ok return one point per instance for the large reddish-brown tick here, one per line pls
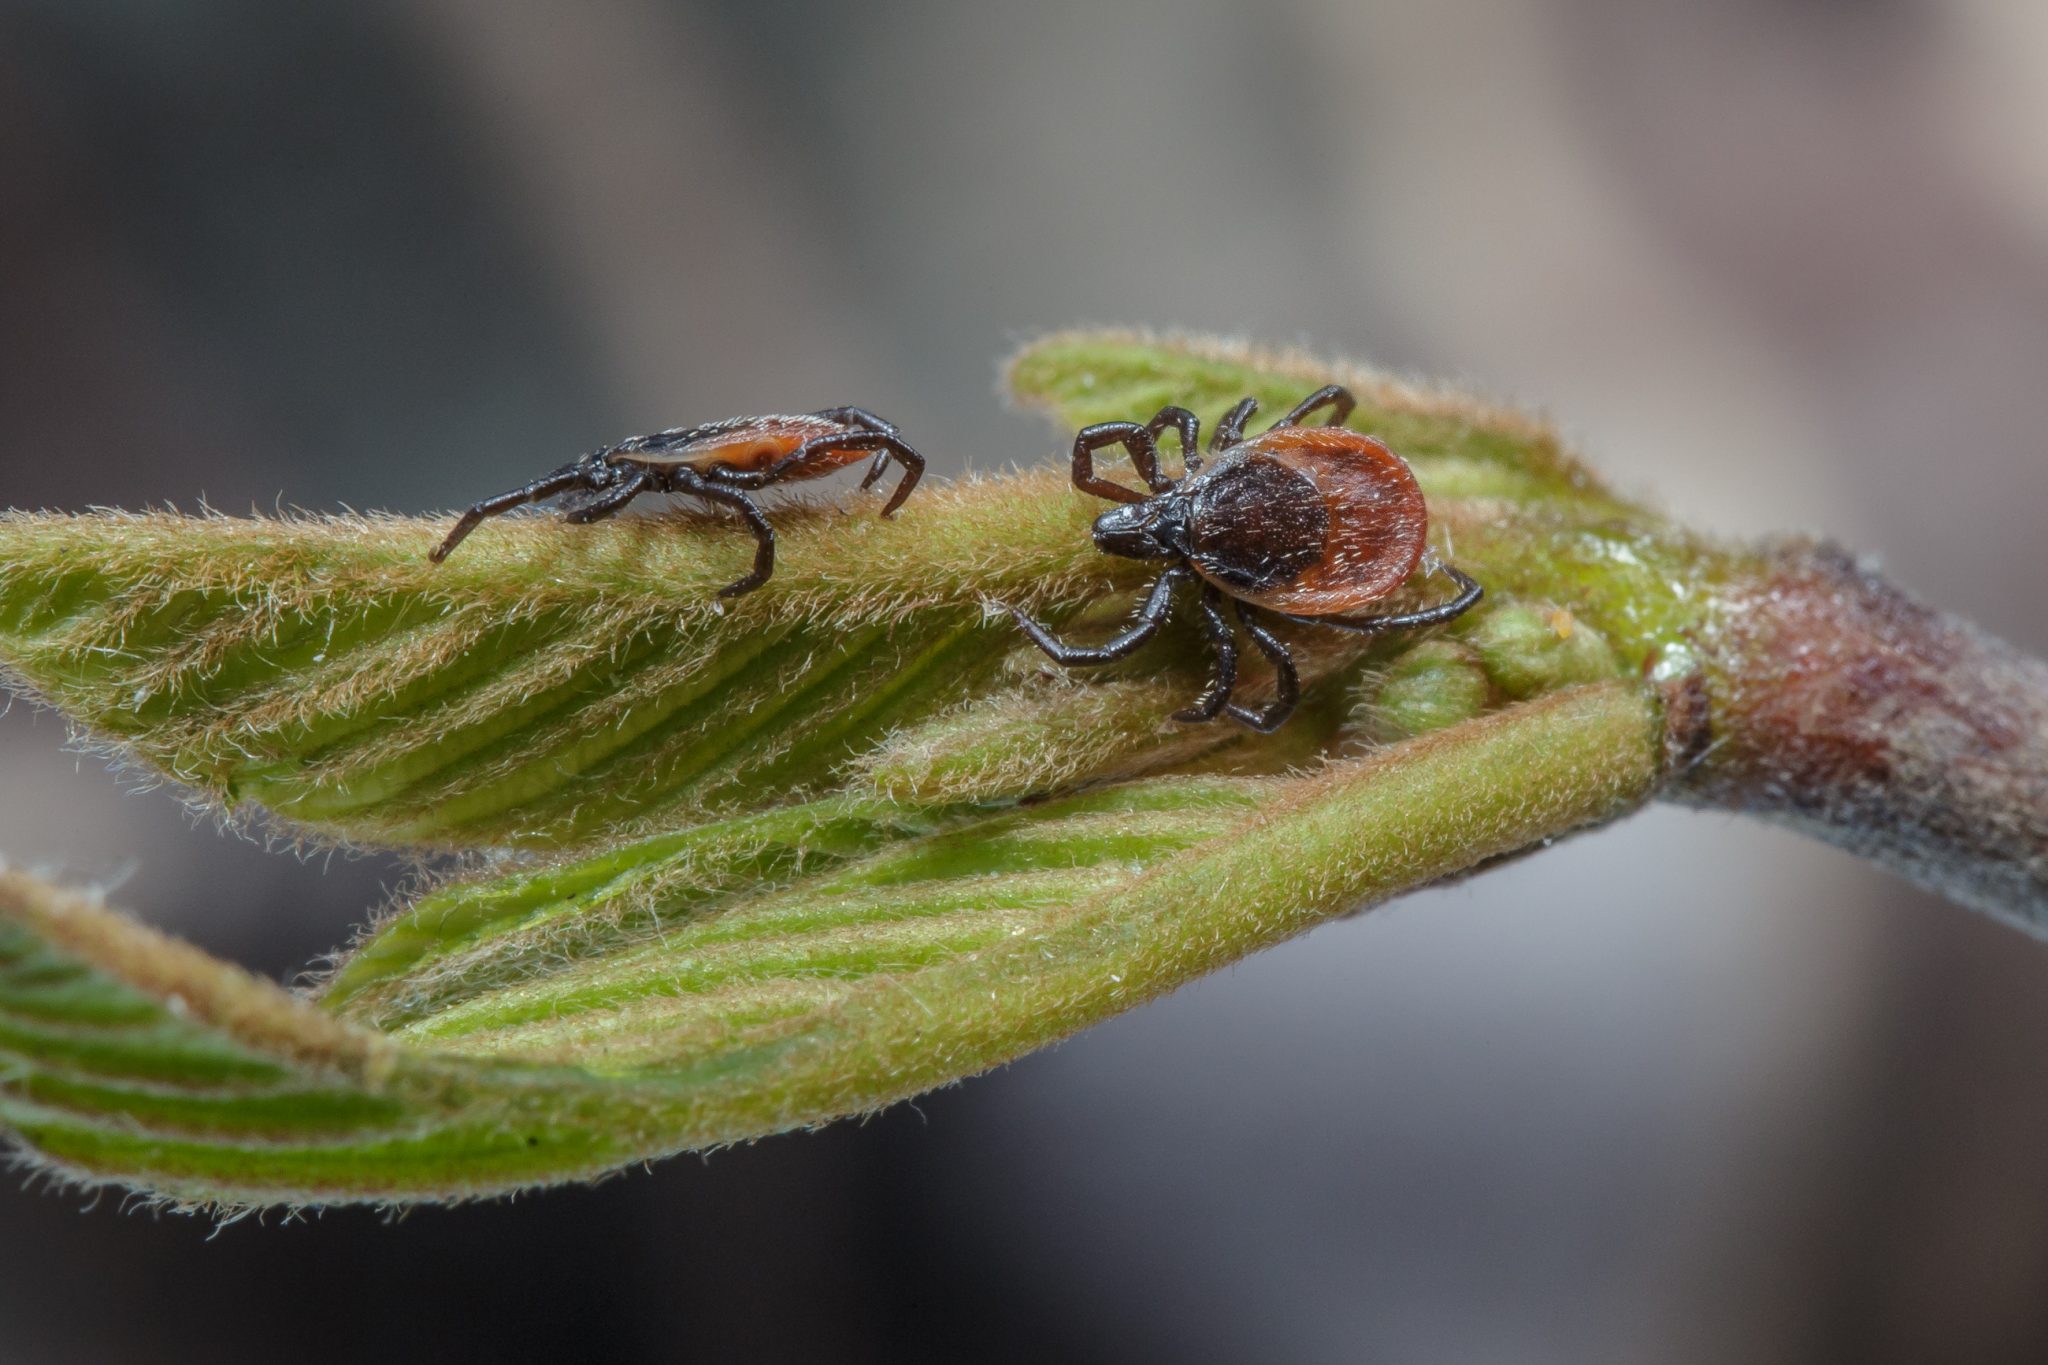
(1308, 523)
(720, 463)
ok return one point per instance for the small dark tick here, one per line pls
(720, 463)
(1308, 523)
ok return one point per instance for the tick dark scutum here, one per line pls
(1309, 523)
(1255, 524)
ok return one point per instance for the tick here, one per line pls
(1308, 523)
(721, 462)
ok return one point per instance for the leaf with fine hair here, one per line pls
(775, 867)
(773, 971)
(562, 688)
(771, 861)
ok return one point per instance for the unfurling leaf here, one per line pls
(768, 972)
(768, 861)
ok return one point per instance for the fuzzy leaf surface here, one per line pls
(780, 859)
(563, 687)
(780, 970)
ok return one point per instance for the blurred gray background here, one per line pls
(1689, 1090)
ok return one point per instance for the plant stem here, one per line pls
(1834, 702)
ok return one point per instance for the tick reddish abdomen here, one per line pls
(746, 444)
(1312, 521)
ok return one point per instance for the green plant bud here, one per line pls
(1529, 649)
(1436, 684)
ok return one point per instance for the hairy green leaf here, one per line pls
(781, 859)
(562, 687)
(777, 869)
(767, 972)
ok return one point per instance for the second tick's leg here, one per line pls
(1144, 453)
(764, 535)
(1190, 428)
(1230, 430)
(887, 445)
(1158, 604)
(855, 417)
(580, 474)
(1335, 397)
(1220, 686)
(1468, 595)
(864, 420)
(879, 465)
(1287, 683)
(826, 453)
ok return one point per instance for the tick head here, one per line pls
(1153, 529)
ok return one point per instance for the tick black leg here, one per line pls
(561, 480)
(1221, 685)
(1335, 397)
(867, 421)
(1469, 594)
(1230, 430)
(1144, 452)
(1287, 690)
(1158, 604)
(787, 468)
(886, 444)
(608, 504)
(1190, 428)
(690, 482)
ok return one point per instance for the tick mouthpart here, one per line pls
(1140, 530)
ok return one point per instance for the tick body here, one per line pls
(719, 463)
(1314, 524)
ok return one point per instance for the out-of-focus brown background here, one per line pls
(1686, 1091)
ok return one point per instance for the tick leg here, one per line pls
(886, 444)
(1190, 428)
(1220, 686)
(855, 417)
(1287, 690)
(597, 509)
(697, 486)
(1158, 603)
(865, 421)
(561, 480)
(1144, 452)
(1470, 593)
(1230, 430)
(1335, 397)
